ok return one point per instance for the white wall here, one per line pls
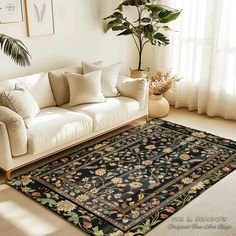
(79, 36)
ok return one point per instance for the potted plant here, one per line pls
(148, 28)
(15, 49)
(159, 84)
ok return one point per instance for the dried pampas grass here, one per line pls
(162, 81)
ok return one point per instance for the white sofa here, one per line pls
(57, 128)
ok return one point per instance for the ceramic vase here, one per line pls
(158, 106)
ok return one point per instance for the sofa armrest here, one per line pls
(5, 153)
(134, 88)
(16, 131)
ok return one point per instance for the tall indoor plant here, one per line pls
(149, 27)
(15, 49)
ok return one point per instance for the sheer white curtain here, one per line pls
(203, 51)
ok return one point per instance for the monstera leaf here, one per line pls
(15, 49)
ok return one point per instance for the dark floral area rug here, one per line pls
(130, 183)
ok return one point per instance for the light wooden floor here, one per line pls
(20, 216)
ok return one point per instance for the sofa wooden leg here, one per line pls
(147, 118)
(8, 175)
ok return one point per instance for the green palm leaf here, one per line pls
(15, 49)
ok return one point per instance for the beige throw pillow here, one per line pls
(85, 88)
(60, 85)
(109, 77)
(21, 102)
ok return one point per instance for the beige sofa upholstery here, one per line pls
(57, 128)
(16, 131)
(54, 126)
(108, 113)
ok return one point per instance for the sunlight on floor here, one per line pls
(22, 219)
(215, 125)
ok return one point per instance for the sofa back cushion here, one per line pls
(6, 85)
(59, 84)
(37, 84)
(39, 87)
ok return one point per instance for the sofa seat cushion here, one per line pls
(55, 126)
(109, 113)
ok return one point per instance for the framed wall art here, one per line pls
(10, 11)
(40, 19)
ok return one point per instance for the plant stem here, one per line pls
(135, 42)
(140, 55)
(140, 38)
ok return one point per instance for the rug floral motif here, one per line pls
(129, 183)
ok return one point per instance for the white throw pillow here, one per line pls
(21, 102)
(85, 88)
(96, 63)
(109, 77)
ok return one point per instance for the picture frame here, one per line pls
(40, 17)
(10, 11)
